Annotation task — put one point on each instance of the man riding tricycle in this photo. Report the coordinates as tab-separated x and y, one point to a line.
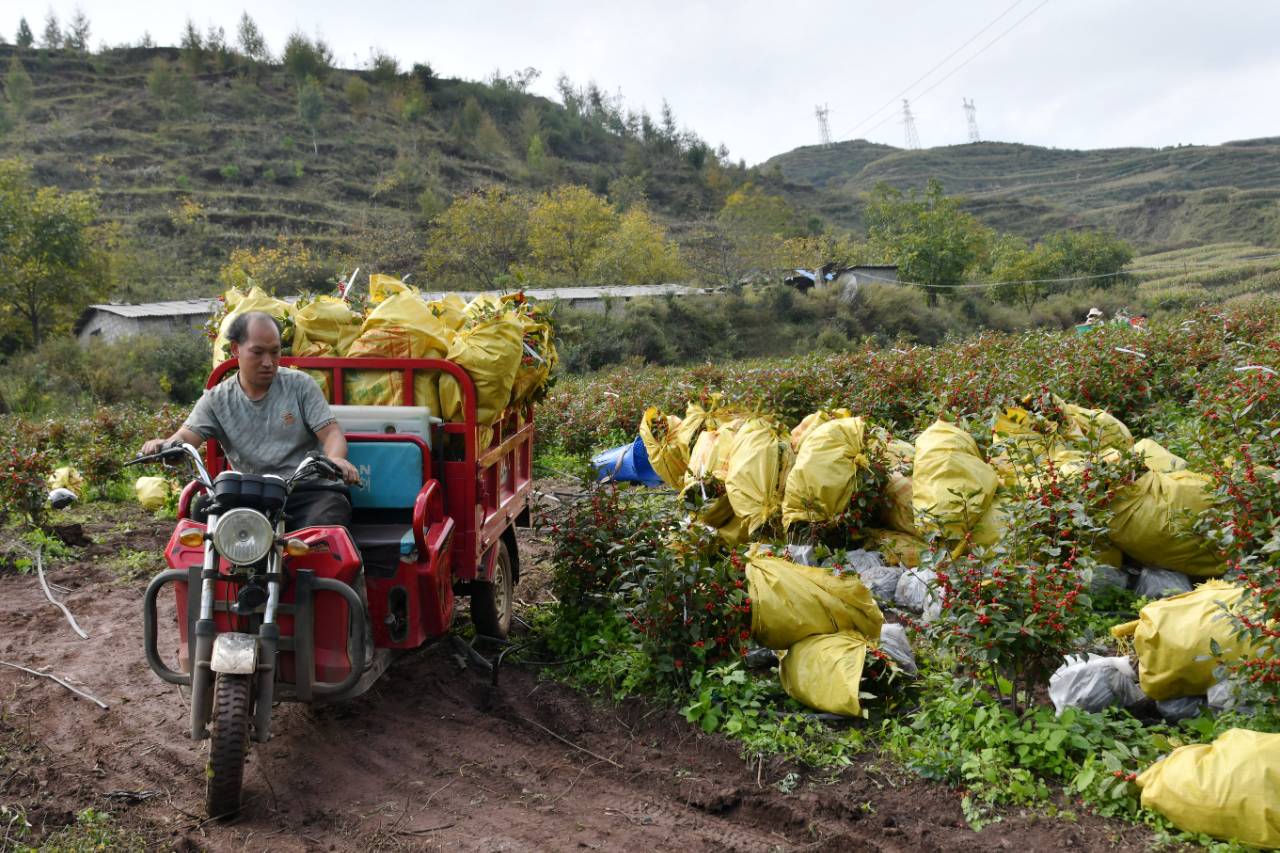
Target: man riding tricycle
316	541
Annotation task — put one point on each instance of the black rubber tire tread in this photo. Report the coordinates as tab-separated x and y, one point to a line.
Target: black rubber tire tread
484	598
228	746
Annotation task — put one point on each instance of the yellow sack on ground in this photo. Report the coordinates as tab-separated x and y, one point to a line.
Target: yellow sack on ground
1229	789
897	548
824	672
325	326
811	421
825	474
490	351
901	453
1151	521
1173	639
897	512
1104	427
667	456
758	462
951	486
152	492
66	477
242	303
1156	458
790	602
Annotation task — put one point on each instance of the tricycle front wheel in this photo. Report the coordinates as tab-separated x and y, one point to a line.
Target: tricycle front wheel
228	745
492	603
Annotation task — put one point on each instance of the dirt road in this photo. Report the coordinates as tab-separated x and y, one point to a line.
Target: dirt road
432	758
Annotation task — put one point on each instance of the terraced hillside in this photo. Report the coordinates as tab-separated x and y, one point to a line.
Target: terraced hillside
1155	197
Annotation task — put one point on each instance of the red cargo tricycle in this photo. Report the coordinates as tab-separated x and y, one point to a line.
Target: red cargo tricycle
265	613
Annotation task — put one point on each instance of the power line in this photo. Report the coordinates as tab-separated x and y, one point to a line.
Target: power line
945	60
981	50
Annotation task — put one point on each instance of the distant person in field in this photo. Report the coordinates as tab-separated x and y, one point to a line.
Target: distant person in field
267	421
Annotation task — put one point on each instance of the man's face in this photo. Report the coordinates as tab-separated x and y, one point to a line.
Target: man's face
259	354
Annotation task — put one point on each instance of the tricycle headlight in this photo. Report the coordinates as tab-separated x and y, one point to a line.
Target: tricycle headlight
243	536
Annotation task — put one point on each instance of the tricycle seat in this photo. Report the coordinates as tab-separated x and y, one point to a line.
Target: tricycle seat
392	473
382	546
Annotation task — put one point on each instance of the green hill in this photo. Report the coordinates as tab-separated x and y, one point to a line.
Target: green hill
1153	197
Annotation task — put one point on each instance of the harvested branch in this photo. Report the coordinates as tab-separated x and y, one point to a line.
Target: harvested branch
571	743
75	626
51	677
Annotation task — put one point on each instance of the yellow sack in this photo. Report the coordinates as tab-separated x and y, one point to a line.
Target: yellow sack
451	310
1156	458
951	482
537	358
1104	427
66	477
1229	789
242	303
790	602
1173	636
897	512
323	327
824	672
383	287
152	492
825	475
901	453
481	304
1151	522
810	422
667	456
758	462
897	548
401	326
490	351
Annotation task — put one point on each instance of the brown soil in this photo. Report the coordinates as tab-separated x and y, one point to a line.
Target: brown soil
432	757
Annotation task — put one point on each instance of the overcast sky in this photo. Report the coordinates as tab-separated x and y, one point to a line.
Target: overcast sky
1064	73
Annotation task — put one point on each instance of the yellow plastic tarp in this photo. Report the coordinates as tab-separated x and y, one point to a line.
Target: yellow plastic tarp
152	492
897	512
824	672
897	548
1173	639
66	477
1151	521
826	470
952	487
790	602
242	303
758	462
1229	789
667	455
326	326
489	350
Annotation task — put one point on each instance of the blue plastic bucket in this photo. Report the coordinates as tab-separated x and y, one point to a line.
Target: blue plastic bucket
628	463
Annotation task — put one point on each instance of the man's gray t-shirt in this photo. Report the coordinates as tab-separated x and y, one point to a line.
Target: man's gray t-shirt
268	436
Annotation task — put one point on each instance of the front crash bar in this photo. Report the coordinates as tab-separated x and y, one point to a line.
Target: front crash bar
149	640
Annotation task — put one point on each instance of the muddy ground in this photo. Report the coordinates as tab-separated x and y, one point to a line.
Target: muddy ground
433	757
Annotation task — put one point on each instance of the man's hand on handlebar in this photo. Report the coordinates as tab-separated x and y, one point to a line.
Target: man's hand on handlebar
154	446
350	475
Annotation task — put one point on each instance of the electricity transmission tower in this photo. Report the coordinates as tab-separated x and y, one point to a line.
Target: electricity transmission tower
971	115
824	127
909	122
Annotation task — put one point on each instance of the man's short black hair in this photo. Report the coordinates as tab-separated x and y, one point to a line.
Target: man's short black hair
238	331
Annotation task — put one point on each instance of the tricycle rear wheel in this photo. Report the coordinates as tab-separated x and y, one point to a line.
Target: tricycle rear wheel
228	745
491	603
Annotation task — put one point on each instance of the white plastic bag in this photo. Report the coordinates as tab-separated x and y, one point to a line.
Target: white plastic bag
917	591
894	643
802	554
882	581
1092	683
1182	708
1161	583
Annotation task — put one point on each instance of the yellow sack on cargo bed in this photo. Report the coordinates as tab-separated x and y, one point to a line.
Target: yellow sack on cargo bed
824	672
825	473
242	303
1173	639
759	459
1151	522
667	455
790	602
325	326
1229	789
401	326
489	350
952	487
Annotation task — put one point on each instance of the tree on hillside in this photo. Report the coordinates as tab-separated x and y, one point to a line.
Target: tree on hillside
305	58
1034	272
161	83
252	43
383	67
18	86
536	156
186	94
478	238
637	252
51	39
310	108
933	242
24	38
7	120
77	37
52	266
357	93
192	47
566	227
